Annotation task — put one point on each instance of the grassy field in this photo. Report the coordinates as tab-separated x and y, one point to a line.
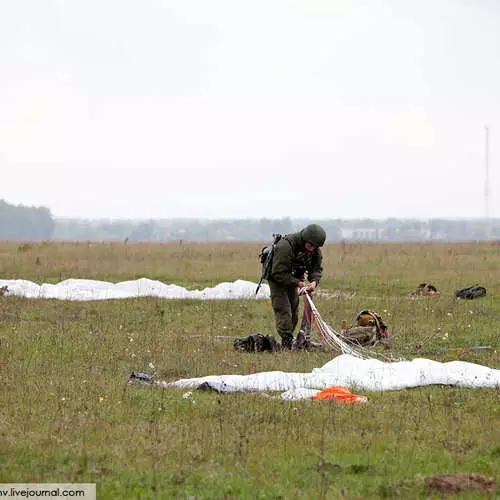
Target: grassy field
68	414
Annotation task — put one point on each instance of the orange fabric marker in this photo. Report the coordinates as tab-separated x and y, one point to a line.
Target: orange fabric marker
339	393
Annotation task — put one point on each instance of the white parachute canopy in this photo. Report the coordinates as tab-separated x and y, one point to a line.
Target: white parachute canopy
83	289
354	373
346	370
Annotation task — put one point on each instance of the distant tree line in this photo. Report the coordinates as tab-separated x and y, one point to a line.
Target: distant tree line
18	222
22	223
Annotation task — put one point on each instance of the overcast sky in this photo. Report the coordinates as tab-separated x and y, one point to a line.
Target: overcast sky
250	109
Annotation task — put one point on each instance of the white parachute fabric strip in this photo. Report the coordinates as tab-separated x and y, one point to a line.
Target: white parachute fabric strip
86	290
356	374
22	288
300	393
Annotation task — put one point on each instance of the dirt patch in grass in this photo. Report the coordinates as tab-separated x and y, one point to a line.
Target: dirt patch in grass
456	483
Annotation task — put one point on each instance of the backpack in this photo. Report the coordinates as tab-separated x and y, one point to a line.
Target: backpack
369	330
471	292
266	256
266	259
256	343
371	318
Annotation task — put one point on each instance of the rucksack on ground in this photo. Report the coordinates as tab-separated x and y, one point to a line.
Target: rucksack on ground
471	292
369	329
425	290
256	343
371	318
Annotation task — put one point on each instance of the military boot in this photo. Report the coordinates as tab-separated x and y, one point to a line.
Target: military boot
286	341
300	341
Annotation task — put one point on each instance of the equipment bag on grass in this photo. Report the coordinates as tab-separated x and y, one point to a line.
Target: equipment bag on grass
370	329
425	290
256	343
471	292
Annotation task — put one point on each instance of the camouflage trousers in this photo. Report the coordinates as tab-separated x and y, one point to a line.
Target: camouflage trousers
285	302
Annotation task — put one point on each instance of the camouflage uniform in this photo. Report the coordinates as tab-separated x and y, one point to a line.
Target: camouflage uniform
291	263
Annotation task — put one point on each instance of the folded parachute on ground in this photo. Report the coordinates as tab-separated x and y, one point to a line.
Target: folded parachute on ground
353	373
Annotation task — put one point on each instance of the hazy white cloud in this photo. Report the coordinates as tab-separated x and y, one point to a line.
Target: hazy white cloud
248	109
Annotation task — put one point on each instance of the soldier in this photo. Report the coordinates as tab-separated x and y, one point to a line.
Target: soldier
295	255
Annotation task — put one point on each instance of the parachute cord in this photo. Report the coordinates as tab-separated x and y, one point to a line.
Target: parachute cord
334	339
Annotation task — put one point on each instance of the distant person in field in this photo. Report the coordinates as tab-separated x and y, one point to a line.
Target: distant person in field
297	256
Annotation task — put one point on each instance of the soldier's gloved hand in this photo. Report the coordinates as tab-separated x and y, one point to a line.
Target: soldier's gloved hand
302	288
312	286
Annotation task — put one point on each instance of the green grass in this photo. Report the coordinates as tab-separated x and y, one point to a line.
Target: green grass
67	413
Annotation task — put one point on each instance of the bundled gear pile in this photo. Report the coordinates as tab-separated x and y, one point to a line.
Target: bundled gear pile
471	292
369	330
425	290
256	343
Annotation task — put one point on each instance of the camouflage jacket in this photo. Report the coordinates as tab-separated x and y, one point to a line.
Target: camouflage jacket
292	261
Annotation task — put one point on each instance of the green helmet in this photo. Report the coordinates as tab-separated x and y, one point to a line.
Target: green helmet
315	234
